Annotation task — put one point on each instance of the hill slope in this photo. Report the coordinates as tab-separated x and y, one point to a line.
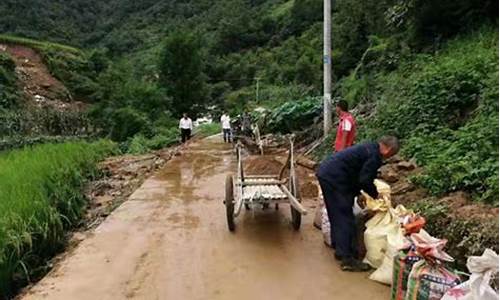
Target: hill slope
35	103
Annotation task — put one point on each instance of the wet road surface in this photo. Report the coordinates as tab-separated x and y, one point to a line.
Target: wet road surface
170	241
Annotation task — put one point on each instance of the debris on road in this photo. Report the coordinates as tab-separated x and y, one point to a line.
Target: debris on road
122	176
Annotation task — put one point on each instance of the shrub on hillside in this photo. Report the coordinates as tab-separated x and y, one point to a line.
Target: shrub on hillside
208	129
445	108
8	89
30	123
293	115
73	70
126	122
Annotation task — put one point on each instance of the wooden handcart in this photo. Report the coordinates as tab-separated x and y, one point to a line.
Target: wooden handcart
254	191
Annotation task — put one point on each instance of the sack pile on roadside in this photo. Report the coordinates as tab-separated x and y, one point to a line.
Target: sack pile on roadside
413	262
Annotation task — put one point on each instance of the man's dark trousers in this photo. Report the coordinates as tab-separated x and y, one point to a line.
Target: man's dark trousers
342	221
227	135
185	134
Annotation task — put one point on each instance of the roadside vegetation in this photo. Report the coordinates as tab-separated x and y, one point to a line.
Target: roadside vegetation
208	129
9	93
40	199
444	106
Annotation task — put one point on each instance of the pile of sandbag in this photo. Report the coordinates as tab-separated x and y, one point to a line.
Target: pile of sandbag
420	272
482	268
411	260
386	232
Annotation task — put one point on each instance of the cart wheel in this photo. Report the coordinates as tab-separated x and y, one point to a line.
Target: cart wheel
296	216
229	201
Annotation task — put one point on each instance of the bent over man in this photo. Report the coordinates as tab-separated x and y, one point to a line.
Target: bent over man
342	176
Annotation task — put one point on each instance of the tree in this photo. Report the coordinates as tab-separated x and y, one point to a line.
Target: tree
181	72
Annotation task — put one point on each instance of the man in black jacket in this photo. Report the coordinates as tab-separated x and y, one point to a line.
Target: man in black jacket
342	176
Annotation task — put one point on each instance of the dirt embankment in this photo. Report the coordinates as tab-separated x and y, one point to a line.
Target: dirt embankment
398	172
40	88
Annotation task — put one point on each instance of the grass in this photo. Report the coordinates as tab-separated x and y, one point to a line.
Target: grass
140	144
40	199
37	44
205	130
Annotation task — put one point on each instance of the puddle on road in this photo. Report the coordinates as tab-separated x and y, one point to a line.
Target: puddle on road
198	172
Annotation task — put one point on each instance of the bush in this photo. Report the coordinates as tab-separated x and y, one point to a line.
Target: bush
8	89
43	122
40	198
74	70
445	108
164	137
126	122
208	129
293	115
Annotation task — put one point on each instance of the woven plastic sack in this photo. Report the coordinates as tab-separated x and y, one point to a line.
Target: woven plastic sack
325	227
402	265
430	247
383	188
318	215
378	229
430	281
482	268
324	223
395	242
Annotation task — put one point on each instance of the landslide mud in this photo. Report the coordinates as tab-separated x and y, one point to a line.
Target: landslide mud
170	241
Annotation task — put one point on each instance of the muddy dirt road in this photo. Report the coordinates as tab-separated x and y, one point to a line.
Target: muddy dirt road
170	241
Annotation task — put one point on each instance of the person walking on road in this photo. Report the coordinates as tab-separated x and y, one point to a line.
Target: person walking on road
346	129
186	126
226	127
341	177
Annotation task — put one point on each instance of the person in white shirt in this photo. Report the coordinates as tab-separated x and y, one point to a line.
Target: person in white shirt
185	125
226	127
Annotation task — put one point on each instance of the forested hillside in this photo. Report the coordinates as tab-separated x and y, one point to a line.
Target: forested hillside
425	63
143	64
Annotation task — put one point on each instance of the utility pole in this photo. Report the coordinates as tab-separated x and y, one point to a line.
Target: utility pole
327	67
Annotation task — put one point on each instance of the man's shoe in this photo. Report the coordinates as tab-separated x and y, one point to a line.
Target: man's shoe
354	265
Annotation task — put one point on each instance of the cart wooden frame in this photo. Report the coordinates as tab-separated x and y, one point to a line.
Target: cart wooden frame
263	190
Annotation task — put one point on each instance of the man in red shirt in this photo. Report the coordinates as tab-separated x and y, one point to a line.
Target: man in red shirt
346	130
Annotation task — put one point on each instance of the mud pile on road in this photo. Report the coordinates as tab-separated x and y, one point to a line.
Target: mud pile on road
272	165
122	175
262	165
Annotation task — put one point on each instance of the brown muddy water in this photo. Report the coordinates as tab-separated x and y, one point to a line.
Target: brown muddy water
170	241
